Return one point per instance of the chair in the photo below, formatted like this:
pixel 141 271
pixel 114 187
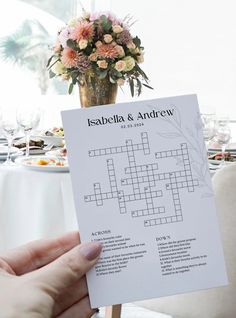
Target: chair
pixel 217 302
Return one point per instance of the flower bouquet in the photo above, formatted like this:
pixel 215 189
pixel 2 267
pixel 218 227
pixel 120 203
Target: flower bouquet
pixel 98 52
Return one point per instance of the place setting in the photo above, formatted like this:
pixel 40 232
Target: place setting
pixel 217 135
pixel 23 145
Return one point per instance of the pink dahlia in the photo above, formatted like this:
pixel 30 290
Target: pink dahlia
pixel 107 51
pixel 69 57
pixel 83 30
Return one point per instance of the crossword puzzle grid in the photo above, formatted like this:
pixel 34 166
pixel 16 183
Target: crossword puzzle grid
pixel 147 175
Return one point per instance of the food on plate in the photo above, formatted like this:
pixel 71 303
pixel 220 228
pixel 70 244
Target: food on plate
pixel 218 156
pixel 55 132
pixel 33 143
pixel 45 162
pixel 63 152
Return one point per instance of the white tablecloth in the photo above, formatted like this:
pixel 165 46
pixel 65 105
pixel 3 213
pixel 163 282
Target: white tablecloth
pixel 33 205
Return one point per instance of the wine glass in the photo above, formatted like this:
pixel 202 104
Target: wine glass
pixel 28 119
pixel 223 136
pixel 209 127
pixel 10 128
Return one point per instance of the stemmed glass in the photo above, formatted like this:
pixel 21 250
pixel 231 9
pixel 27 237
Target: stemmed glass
pixel 10 128
pixel 209 127
pixel 223 136
pixel 28 119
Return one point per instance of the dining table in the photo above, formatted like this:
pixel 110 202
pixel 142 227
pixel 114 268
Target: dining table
pixel 34 205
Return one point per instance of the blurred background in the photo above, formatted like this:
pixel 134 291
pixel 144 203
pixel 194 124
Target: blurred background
pixel 190 47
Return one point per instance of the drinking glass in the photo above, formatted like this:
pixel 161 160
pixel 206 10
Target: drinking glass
pixel 223 136
pixel 10 128
pixel 28 119
pixel 209 127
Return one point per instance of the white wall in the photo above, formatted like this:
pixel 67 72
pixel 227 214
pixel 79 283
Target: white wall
pixel 190 47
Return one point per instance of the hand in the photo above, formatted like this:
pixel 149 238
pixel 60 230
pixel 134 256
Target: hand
pixel 46 279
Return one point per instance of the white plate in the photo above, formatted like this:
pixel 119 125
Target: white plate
pixel 56 153
pixel 56 141
pixel 52 168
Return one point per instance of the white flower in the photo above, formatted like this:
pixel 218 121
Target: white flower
pixel 102 64
pixel 72 22
pixel 120 66
pixel 120 50
pixel 83 44
pixel 58 68
pixel 98 44
pixel 130 63
pixel 131 45
pixel 117 28
pixel 107 38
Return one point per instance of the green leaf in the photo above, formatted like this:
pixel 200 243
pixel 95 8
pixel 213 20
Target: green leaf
pixel 147 86
pixel 53 64
pixel 70 90
pixel 106 23
pixel 141 72
pixel 131 84
pixel 51 74
pixel 137 41
pixel 49 60
pixel 102 74
pixel 139 84
pixel 70 43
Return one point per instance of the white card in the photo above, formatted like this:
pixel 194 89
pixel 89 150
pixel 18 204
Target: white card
pixel 142 188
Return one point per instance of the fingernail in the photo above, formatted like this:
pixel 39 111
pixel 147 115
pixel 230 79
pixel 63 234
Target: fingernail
pixel 91 250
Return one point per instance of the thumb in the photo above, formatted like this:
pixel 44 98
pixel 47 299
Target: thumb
pixel 69 268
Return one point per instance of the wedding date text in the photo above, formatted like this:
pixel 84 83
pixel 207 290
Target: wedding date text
pixel 132 125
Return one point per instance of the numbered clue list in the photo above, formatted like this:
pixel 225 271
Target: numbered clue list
pixel 142 188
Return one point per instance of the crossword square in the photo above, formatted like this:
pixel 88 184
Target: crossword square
pixel 123 210
pixel 174 152
pixel 178 212
pixel 168 153
pixel 162 209
pixel 152 184
pixel 175 196
pixel 186 161
pixel 187 167
pixel 190 184
pixel 102 151
pixel 185 184
pixel 152 222
pixel 189 177
pixel 185 157
pixel 179 152
pixel 113 150
pixel 177 206
pixel 173 218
